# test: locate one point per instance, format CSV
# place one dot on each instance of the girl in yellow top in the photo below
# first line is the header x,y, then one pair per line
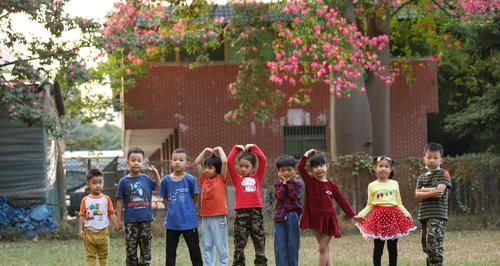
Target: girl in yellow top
x,y
384,218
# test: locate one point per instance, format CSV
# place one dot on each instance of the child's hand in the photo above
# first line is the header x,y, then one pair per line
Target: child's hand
x,y
216,151
240,147
151,168
358,219
248,146
81,234
310,152
118,226
436,193
208,151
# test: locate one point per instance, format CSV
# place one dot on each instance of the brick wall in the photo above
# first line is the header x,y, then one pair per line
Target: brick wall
x,y
195,101
410,104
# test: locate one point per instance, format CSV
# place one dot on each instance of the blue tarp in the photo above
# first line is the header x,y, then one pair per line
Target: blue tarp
x,y
30,221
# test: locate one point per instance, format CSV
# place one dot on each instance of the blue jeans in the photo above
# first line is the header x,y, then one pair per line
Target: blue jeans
x,y
215,235
287,240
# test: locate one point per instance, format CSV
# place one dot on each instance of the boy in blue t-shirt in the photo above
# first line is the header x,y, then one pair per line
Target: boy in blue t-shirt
x,y
180,194
134,197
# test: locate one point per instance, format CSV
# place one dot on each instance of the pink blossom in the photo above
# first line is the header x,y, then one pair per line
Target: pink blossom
x,y
296,20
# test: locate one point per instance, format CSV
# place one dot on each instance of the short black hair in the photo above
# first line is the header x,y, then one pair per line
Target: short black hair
x,y
383,157
181,150
249,156
318,159
286,161
135,150
434,147
93,173
214,161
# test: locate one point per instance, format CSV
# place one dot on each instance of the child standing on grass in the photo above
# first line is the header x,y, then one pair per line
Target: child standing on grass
x,y
319,214
384,218
212,168
287,191
134,196
247,180
96,211
432,194
180,194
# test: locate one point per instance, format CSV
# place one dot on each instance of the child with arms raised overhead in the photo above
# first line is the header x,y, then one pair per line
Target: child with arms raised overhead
x,y
212,169
247,180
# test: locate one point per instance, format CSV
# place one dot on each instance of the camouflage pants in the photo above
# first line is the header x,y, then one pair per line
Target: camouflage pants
x,y
433,230
249,222
138,234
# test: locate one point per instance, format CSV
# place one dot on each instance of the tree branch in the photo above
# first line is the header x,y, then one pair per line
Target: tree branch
x,y
400,7
444,10
15,61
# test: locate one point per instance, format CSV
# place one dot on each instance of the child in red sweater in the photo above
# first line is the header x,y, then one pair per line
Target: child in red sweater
x,y
318,213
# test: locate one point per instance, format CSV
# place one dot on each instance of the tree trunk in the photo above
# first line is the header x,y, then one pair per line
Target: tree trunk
x,y
377,91
61,179
353,121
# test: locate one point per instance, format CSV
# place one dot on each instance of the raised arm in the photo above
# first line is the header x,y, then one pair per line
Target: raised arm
x,y
156,175
230,161
202,157
261,157
301,167
218,151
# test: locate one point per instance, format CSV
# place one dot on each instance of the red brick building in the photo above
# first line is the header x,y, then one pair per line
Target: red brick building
x,y
183,107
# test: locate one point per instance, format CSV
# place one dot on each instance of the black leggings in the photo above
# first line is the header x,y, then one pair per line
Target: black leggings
x,y
378,250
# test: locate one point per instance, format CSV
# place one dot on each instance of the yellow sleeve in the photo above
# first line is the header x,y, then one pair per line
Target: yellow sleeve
x,y
400,203
369,203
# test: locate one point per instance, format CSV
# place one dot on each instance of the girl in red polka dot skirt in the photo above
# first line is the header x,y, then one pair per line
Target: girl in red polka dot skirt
x,y
384,218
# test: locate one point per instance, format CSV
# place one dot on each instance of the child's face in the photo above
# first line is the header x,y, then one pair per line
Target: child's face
x,y
135,162
245,167
96,184
382,169
432,159
179,162
209,171
319,171
286,172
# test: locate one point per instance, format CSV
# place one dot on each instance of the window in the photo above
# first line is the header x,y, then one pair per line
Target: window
x,y
299,139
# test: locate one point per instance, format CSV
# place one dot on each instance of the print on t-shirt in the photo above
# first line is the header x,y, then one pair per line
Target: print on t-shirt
x,y
179,195
95,213
248,184
137,196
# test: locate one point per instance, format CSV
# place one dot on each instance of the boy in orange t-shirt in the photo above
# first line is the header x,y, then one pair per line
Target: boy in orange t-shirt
x,y
213,181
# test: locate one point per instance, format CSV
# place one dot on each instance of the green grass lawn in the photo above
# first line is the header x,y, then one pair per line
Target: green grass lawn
x,y
481,248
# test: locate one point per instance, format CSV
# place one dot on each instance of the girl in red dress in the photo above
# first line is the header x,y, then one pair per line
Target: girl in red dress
x,y
318,213
384,218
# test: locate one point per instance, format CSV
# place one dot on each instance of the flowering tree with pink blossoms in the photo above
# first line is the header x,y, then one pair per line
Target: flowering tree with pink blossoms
x,y
27,63
336,43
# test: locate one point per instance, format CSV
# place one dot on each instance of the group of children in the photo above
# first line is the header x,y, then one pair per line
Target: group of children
x,y
384,219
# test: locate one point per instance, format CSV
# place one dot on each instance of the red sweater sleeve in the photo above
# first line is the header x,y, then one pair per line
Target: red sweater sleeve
x,y
342,201
302,169
262,162
230,163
